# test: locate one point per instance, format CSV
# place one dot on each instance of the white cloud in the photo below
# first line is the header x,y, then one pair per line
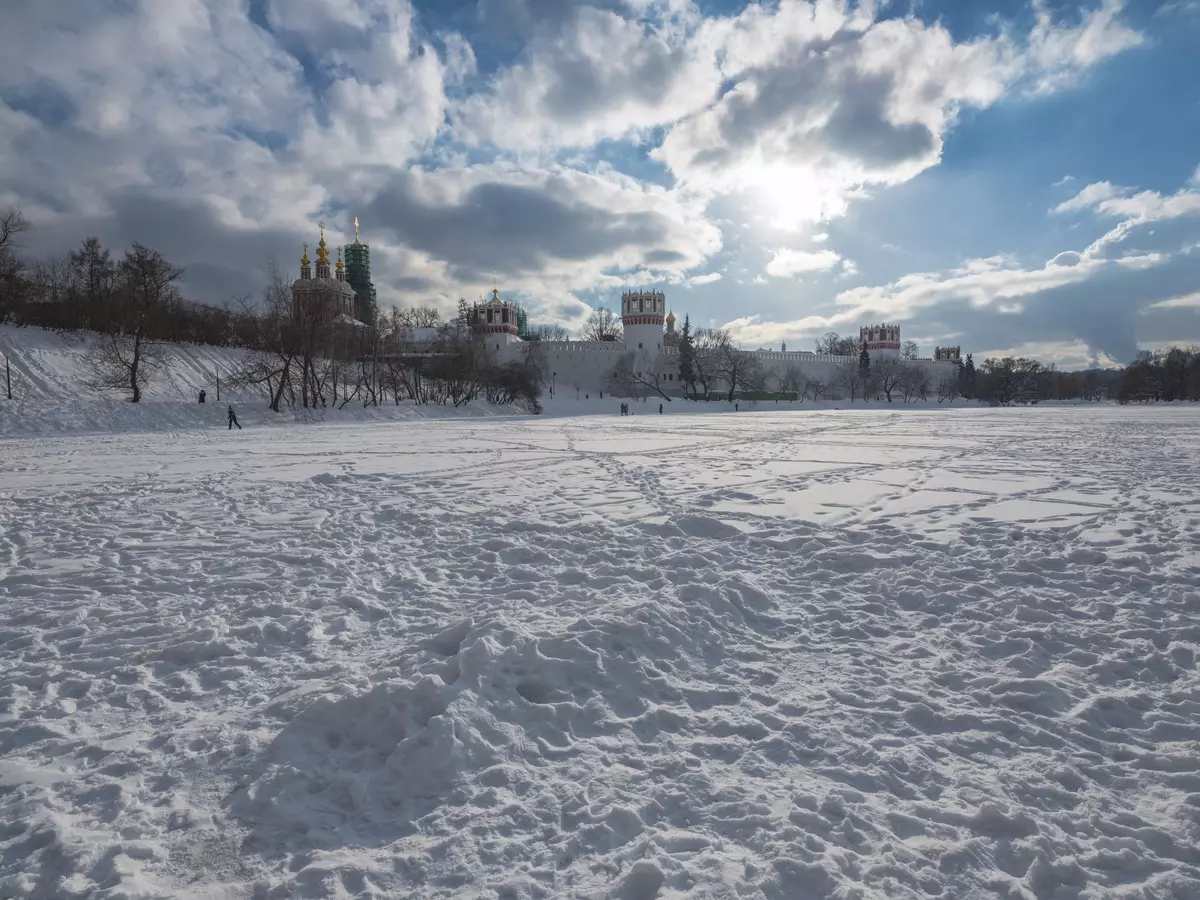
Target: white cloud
x,y
788,263
1089,295
708,278
1057,55
1067,355
1089,197
825,100
1187,301
189,106
600,76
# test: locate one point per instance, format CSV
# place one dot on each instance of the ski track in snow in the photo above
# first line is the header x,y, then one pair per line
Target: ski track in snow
x,y
852,655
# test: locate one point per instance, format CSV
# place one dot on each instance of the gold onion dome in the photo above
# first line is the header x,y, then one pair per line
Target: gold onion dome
x,y
322,251
670,318
304,258
339,265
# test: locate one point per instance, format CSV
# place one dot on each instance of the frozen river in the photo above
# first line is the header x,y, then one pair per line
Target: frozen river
x,y
947,653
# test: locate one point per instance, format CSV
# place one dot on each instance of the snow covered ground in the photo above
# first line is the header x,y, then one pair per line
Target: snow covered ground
x,y
800,655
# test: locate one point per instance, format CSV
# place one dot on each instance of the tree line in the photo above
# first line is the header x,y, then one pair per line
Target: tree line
x,y
133,307
130,308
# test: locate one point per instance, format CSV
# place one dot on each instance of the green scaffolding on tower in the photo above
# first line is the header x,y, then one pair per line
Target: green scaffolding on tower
x,y
358,276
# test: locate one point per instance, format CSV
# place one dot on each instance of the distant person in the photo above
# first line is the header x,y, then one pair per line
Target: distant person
x,y
660,409
202,396
233,419
735,407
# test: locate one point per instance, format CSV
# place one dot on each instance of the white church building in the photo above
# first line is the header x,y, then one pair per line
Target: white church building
x,y
647,353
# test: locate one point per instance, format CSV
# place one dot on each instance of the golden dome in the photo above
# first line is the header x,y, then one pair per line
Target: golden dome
x,y
670,318
322,252
339,265
304,258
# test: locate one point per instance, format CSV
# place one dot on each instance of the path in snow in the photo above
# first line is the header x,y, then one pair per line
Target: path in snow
x,y
787,656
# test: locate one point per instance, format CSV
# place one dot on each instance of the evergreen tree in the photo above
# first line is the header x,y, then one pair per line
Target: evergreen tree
x,y
92,276
864,361
687,354
968,372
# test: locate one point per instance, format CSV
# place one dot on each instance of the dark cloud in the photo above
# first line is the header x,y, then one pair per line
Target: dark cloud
x,y
519,228
220,263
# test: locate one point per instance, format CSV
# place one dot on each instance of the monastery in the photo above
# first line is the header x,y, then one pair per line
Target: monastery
x,y
649,347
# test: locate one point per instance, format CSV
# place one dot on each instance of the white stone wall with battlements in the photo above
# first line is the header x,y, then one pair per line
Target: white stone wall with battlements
x,y
586,365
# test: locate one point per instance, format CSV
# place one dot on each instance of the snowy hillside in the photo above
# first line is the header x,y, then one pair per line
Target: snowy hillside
x,y
829,655
50,396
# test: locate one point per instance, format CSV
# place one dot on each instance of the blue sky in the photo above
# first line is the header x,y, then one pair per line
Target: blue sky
x,y
1019,176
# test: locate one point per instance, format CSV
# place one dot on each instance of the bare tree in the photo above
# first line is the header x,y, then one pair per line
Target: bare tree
x,y
791,381
836,345
910,350
913,382
637,376
709,348
292,344
602,325
550,332
536,363
851,378
815,386
126,357
419,317
736,368
947,388
887,373
12,226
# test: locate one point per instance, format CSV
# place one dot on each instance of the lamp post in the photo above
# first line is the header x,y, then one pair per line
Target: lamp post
x,y
7,377
553,376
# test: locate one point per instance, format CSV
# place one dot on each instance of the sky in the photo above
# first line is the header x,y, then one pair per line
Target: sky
x,y
1012,177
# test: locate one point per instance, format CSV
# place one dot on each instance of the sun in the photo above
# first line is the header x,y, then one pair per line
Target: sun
x,y
794,197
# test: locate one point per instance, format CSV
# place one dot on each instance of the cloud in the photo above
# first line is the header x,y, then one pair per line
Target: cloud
x,y
1187,301
789,263
599,75
1056,55
221,130
707,278
552,229
1134,285
824,100
1088,198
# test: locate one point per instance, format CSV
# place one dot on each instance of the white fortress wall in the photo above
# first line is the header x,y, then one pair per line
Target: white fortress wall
x,y
586,366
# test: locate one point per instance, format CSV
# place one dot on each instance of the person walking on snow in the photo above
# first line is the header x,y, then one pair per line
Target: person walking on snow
x,y
233,419
660,409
